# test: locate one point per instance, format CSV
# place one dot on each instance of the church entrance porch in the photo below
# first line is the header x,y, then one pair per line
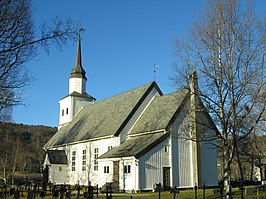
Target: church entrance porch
x,y
166,178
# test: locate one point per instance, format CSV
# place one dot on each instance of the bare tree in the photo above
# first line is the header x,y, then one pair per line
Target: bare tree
x,y
227,48
18,45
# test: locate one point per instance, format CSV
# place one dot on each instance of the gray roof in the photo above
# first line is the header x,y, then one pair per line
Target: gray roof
x,y
104,118
57,156
158,116
84,96
160,113
135,146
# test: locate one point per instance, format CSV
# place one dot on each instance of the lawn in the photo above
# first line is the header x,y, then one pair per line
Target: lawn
x,y
185,194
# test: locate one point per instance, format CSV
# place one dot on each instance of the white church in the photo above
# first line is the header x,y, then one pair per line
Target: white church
x,y
133,140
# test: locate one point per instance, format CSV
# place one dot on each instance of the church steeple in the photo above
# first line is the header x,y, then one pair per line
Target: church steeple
x,y
78,70
77,97
77,79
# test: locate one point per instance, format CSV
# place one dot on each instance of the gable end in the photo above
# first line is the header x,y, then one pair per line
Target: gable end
x,y
153,85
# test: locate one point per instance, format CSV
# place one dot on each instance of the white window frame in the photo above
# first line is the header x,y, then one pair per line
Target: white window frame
x,y
84,159
106,169
95,162
73,160
127,168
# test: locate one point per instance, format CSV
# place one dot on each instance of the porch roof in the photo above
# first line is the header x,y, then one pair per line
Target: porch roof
x,y
57,156
136,146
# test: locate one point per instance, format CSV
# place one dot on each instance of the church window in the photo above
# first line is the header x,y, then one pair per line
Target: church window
x,y
106,169
63,112
73,164
127,169
110,147
166,149
66,111
96,155
84,157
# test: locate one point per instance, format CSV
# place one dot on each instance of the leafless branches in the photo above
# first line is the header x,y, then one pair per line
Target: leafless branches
x,y
19,44
227,48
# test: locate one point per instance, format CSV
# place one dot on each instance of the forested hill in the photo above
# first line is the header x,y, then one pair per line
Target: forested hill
x,y
21,147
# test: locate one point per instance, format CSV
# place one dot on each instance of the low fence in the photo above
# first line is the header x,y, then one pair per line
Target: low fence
x,y
34,190
56,191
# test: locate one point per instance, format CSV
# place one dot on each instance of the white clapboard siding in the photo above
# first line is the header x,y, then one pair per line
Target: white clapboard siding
x,y
151,166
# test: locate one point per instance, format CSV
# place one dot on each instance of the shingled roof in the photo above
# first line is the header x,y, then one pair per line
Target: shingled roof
x,y
135,146
160,112
57,157
84,96
157,117
104,118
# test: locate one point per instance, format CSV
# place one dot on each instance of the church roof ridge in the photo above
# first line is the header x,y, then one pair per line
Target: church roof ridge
x,y
144,85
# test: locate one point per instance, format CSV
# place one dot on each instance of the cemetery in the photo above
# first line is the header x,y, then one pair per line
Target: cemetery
x,y
40,190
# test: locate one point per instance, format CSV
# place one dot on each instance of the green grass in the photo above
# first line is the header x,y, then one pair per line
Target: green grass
x,y
184,194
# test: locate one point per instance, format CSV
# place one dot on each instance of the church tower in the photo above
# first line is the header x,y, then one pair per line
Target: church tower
x,y
77,97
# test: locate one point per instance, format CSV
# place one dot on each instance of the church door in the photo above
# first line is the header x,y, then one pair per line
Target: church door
x,y
116,174
166,177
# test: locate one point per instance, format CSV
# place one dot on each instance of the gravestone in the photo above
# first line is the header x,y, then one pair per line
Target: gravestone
x,y
30,194
16,194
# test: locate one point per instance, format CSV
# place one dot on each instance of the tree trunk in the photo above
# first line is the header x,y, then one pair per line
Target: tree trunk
x,y
252,167
241,173
227,182
260,165
227,171
15,159
239,166
5,166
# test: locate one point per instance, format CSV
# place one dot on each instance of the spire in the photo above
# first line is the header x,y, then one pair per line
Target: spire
x,y
78,71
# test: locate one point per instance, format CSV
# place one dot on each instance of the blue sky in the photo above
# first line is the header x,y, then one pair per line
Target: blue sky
x,y
122,41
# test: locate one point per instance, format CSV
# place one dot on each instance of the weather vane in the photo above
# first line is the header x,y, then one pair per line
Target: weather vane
x,y
155,66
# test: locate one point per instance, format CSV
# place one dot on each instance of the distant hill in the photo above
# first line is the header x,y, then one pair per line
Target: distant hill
x,y
21,147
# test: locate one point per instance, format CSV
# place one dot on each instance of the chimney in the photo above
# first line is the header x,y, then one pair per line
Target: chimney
x,y
194,122
193,82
